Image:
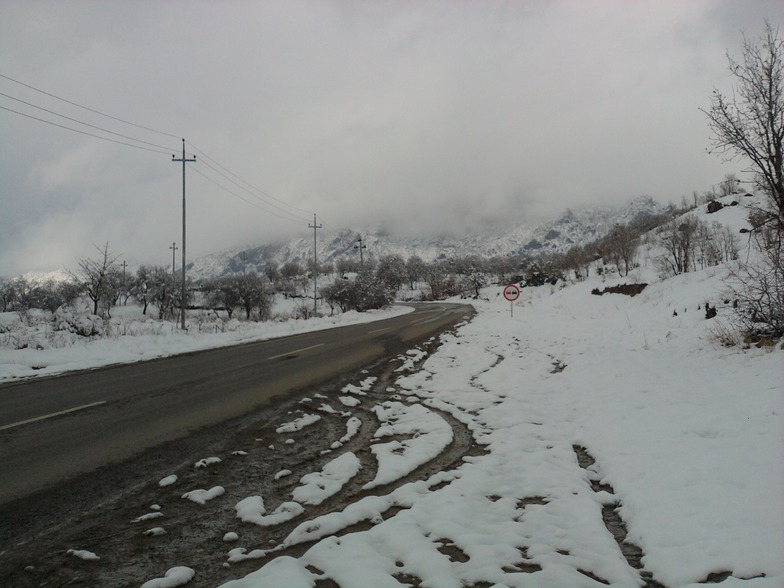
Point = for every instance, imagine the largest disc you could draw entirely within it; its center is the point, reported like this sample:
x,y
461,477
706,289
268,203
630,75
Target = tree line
x,y
373,283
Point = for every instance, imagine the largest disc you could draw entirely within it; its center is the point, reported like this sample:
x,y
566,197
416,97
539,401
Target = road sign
x,y
511,292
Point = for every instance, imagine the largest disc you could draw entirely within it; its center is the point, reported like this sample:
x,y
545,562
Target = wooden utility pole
x,y
315,227
174,249
124,266
184,160
361,247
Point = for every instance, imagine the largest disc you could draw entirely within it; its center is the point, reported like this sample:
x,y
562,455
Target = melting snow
x,y
177,576
686,437
298,424
83,554
203,496
147,517
252,510
429,435
203,463
168,481
318,486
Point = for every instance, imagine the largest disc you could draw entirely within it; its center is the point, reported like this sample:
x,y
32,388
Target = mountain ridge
x,y
572,227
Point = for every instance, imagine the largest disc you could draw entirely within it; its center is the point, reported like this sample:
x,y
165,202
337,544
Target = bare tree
x,y
727,242
346,265
249,292
272,270
164,291
141,286
439,279
392,270
729,185
758,287
222,293
504,266
7,295
291,270
620,248
578,259
415,269
97,276
750,123
51,295
363,293
13,294
254,295
678,240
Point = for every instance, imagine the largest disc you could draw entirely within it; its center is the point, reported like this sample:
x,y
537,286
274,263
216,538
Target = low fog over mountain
x,y
573,227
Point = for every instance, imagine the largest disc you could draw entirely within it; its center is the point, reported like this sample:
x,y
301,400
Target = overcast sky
x,y
429,117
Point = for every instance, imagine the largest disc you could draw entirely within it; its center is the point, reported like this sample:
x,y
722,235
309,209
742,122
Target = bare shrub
x,y
758,285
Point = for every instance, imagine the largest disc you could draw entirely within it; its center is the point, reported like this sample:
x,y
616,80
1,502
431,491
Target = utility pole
x,y
361,257
184,160
315,227
174,249
124,265
244,263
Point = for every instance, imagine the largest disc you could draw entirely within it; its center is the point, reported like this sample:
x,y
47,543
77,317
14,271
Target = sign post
x,y
511,293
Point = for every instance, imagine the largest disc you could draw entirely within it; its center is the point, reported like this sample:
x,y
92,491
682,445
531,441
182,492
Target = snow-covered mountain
x,y
37,278
573,227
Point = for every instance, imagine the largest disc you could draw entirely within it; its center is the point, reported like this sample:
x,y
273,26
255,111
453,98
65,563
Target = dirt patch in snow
x,y
627,289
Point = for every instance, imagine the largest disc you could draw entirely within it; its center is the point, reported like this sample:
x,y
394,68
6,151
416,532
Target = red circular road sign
x,y
511,292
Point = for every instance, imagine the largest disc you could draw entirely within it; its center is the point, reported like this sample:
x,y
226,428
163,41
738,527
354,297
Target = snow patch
x,y
298,424
83,554
318,486
177,576
202,496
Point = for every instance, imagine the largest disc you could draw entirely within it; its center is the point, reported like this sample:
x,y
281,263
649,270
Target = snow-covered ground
x,y
135,337
686,435
589,405
612,426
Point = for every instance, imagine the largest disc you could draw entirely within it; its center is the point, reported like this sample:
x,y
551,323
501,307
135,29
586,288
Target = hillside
x,y
573,227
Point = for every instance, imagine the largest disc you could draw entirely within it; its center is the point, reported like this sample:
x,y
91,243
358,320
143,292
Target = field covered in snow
x,y
626,446
622,444
588,405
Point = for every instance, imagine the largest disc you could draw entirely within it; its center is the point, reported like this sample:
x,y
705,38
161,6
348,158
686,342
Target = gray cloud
x,y
426,116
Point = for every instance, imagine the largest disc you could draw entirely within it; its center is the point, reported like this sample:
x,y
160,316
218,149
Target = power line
x,y
288,216
250,202
328,226
254,188
240,197
272,204
84,132
88,108
267,199
83,123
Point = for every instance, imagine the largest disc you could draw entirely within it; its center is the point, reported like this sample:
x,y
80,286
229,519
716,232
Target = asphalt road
x,y
52,429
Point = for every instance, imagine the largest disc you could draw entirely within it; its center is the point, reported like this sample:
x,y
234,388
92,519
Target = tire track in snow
x,y
462,445
252,455
613,521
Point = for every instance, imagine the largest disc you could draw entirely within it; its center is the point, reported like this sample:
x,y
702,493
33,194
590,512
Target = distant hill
x,y
573,227
36,278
